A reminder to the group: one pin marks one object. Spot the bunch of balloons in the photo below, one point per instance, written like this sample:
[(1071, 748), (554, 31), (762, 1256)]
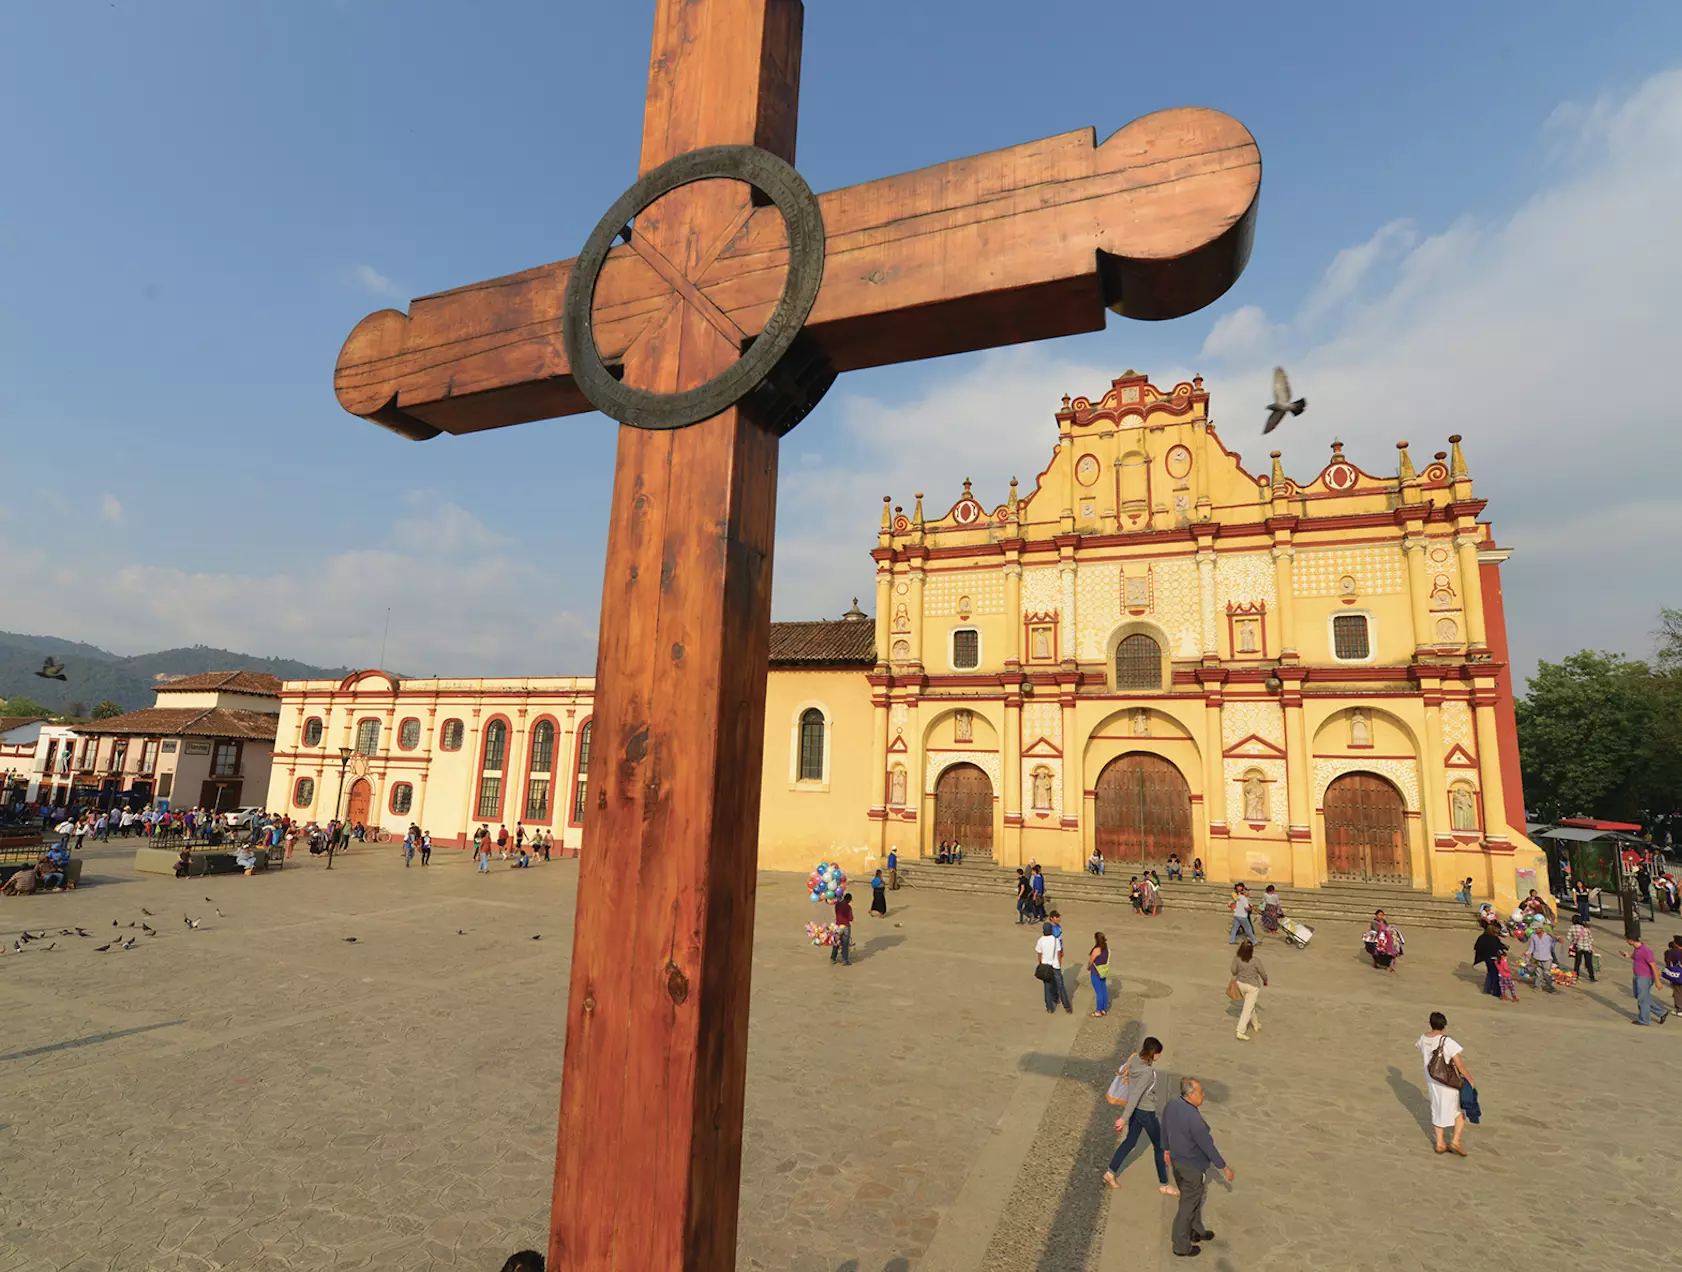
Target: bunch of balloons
[(827, 883), (824, 933)]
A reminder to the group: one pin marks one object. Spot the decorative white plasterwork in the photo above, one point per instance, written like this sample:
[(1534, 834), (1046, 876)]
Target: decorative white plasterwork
[(944, 589), (1245, 578), (1266, 720), (898, 717), (1378, 570), (1273, 771), (1028, 766), (1403, 773), (1042, 720), (1042, 589), (1098, 606), (1457, 728), (940, 761), (1176, 605)]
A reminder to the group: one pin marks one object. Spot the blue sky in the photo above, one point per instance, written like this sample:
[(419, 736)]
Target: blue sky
[(1464, 227)]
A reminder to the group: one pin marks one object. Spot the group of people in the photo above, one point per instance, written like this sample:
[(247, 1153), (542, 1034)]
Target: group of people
[(950, 853), (50, 872), (520, 849), (1048, 968)]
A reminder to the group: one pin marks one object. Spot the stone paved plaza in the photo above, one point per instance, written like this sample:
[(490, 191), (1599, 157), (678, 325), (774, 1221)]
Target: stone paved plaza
[(260, 1094)]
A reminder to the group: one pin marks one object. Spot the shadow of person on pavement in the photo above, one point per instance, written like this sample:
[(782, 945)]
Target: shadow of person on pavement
[(1411, 1098), (875, 945)]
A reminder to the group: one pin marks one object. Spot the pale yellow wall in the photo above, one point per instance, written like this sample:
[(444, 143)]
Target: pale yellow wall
[(802, 823), (201, 699)]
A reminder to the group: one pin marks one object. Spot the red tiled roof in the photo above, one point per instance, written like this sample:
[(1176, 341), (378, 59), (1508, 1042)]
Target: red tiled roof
[(258, 682), (11, 722), (194, 722), (826, 643)]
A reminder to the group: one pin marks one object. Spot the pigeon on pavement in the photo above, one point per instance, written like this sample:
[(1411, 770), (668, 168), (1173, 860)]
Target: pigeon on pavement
[(100, 949), (130, 943), (350, 940), (146, 912), (1282, 404)]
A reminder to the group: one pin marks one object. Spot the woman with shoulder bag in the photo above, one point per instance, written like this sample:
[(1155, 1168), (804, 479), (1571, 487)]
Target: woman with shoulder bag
[(1139, 1078), (1445, 1074)]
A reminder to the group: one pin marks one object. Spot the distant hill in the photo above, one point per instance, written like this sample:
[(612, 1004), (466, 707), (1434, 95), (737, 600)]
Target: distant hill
[(96, 675)]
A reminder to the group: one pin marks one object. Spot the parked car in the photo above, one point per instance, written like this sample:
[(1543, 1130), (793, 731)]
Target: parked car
[(239, 818)]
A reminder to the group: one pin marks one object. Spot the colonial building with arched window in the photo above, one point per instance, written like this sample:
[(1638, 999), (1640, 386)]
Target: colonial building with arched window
[(1154, 651)]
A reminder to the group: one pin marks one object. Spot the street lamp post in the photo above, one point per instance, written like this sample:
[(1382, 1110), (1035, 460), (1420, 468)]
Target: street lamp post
[(344, 762)]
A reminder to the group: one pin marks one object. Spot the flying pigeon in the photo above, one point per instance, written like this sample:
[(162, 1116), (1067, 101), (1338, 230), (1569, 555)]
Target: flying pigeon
[(192, 923), (219, 913), (51, 670), (1282, 404), (146, 912), (100, 949)]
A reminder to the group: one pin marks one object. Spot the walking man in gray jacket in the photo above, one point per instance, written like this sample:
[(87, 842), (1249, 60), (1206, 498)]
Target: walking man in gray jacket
[(1190, 1150)]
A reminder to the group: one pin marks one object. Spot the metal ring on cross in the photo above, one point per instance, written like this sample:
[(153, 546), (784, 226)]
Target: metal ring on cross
[(780, 375)]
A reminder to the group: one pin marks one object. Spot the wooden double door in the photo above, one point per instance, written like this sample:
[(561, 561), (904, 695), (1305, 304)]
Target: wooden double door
[(1142, 812), (1366, 831), (963, 810)]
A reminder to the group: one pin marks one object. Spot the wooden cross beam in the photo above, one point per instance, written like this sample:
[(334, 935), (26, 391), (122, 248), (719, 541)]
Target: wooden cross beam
[(1020, 244)]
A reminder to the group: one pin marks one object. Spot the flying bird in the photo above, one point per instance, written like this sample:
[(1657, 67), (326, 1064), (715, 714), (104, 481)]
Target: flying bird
[(192, 923), (51, 670), (147, 912), (219, 913), (1282, 404)]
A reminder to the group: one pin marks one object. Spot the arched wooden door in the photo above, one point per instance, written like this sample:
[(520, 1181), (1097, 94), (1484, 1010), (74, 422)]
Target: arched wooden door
[(357, 805), (963, 809), (1143, 812), (1366, 831)]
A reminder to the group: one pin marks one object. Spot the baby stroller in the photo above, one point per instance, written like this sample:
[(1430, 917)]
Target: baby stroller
[(1298, 934)]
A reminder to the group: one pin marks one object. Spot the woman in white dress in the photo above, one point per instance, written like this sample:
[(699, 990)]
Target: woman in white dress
[(1445, 1099)]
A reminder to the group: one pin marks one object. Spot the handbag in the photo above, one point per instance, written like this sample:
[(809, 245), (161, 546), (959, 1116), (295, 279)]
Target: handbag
[(1117, 1094), (1042, 971), (1442, 1071), (1232, 990), (1672, 973)]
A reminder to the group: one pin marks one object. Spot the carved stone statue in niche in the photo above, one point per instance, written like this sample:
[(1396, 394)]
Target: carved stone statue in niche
[(1464, 805), (1042, 642), (1255, 799), (1360, 732), (896, 787), (1141, 722), (1042, 789), (963, 725), (1247, 637)]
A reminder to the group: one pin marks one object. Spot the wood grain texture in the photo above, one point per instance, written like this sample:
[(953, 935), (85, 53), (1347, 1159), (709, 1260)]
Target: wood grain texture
[(1019, 244), (648, 1161)]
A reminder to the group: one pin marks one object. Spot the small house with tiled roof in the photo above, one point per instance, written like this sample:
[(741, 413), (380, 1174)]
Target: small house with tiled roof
[(206, 742)]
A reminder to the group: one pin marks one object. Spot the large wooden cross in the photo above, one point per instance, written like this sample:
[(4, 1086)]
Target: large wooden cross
[(1016, 245)]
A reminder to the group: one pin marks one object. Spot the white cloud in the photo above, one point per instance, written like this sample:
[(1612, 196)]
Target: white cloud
[(440, 526), (111, 508), (375, 283), (1545, 336)]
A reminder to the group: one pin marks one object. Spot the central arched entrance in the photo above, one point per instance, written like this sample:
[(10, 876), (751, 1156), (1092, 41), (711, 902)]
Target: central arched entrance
[(357, 805), (1143, 812), (1366, 831), (963, 809)]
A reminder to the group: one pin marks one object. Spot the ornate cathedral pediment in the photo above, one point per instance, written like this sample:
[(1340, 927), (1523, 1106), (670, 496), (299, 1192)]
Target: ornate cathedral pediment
[(1457, 758), (1254, 747)]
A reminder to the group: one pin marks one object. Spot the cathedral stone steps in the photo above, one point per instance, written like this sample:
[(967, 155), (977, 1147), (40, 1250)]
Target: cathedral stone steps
[(1346, 903)]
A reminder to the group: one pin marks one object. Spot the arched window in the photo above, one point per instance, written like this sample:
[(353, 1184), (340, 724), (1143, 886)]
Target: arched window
[(303, 794), (812, 729), (1138, 663), (451, 735), (368, 736), (402, 797), (490, 771), (313, 731), (538, 771), (583, 771), (408, 734)]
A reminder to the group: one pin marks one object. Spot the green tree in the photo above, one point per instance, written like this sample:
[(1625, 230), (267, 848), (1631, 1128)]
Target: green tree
[(1668, 651), (107, 710), (1598, 737), (22, 706)]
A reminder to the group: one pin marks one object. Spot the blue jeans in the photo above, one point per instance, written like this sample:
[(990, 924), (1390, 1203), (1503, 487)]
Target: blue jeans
[(1646, 1008), (1146, 1122), (845, 947), (56, 880), (484, 863), (1023, 907), (1100, 993), (1057, 991), (1241, 925)]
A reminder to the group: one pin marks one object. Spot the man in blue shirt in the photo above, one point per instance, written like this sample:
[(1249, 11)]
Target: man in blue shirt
[(1036, 884), (1190, 1150), (893, 869)]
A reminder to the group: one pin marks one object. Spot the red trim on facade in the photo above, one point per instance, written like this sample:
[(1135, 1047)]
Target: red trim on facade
[(526, 773), (1506, 718), (479, 771), (399, 738), (572, 785)]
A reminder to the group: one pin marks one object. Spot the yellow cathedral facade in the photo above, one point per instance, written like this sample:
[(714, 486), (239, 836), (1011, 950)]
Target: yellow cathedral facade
[(1152, 652)]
